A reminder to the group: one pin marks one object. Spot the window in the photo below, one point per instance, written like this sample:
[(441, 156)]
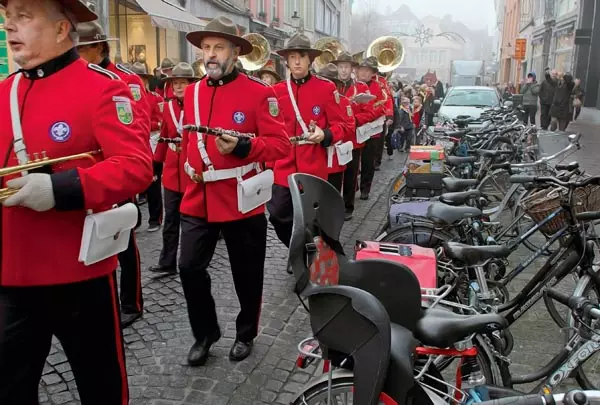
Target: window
[(320, 15), (327, 28), (565, 6), (274, 11), (563, 55), (472, 98), (335, 26), (261, 6)]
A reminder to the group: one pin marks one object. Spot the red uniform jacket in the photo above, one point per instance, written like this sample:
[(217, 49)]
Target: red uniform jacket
[(417, 115), (389, 103), (318, 100), (174, 177), (347, 113), (380, 103), (138, 92), (154, 100), (241, 103), (363, 113), (101, 117)]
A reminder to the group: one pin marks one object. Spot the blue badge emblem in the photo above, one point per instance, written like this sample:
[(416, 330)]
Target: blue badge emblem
[(60, 131), (316, 110), (239, 117)]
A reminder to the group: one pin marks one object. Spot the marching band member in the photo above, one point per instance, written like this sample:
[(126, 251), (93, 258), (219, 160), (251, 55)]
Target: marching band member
[(173, 156), (388, 106), (364, 113), (306, 101), (93, 47), (367, 70), (344, 149), (44, 289), (225, 173), (154, 192), (268, 75), (166, 68)]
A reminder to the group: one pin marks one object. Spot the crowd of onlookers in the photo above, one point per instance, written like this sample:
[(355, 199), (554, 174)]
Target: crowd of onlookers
[(559, 97)]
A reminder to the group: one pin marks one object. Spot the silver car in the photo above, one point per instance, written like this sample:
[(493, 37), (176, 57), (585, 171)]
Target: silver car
[(470, 101)]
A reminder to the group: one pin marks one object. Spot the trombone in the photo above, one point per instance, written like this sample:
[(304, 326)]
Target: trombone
[(261, 52), (39, 162), (331, 48)]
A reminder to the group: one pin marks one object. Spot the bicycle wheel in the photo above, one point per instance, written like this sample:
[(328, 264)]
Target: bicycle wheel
[(588, 373), (422, 234), (494, 187)]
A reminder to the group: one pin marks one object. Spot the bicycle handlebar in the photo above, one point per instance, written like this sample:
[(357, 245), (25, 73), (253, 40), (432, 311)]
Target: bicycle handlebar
[(579, 304), (548, 179)]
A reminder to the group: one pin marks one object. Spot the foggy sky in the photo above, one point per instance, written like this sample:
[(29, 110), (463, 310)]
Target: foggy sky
[(476, 14)]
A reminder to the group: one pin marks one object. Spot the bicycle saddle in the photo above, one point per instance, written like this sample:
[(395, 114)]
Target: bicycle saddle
[(489, 153), (442, 328), (447, 214), (473, 255), (457, 134), (460, 197), (459, 160), (452, 184)]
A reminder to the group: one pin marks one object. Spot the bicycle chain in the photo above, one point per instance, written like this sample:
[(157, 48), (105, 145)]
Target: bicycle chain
[(495, 352)]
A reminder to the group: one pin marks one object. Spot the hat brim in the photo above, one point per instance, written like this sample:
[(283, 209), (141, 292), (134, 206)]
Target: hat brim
[(171, 78), (145, 75), (195, 38), (82, 43), (352, 62), (312, 53), (79, 10), (261, 72)]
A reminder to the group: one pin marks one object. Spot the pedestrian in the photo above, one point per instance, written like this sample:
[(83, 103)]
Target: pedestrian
[(364, 113), (546, 94), (578, 96), (154, 192), (219, 197), (367, 71), (419, 118), (530, 91), (93, 47), (318, 124), (45, 290), (173, 157), (561, 112), (405, 125)]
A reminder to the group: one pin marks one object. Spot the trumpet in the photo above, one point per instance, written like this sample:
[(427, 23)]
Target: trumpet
[(39, 162), (218, 131)]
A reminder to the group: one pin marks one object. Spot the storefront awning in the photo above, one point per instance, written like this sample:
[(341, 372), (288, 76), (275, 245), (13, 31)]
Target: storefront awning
[(166, 14)]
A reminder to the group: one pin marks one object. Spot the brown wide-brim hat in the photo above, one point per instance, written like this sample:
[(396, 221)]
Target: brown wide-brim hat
[(299, 43), (91, 32), (79, 9), (330, 72), (182, 70), (140, 69), (345, 57), (220, 27), (267, 71), (370, 62)]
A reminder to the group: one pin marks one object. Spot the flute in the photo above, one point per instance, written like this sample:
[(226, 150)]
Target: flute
[(218, 131)]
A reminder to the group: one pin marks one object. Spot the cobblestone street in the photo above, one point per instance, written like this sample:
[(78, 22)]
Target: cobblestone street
[(157, 345)]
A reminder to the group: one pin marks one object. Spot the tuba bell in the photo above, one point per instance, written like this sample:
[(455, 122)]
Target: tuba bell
[(389, 52), (261, 52), (331, 47), (199, 68)]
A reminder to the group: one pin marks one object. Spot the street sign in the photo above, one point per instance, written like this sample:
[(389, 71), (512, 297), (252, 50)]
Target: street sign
[(3, 51), (583, 36), (520, 48)]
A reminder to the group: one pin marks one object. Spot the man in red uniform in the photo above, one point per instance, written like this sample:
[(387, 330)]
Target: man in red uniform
[(225, 174), (268, 75), (335, 169), (389, 113), (174, 178), (93, 47), (154, 192), (166, 68), (44, 289), (367, 70), (311, 107), (364, 113)]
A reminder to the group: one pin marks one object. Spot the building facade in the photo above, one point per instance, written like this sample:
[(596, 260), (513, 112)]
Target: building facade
[(587, 52), (509, 66)]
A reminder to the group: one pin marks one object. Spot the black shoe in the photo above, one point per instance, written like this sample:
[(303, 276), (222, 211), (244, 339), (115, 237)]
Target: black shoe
[(129, 319), (289, 269), (240, 350), (162, 269), (364, 196), (153, 227), (199, 351), (348, 216)]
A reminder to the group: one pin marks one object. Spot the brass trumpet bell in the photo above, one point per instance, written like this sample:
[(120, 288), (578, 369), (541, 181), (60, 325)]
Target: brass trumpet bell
[(261, 52), (331, 48), (389, 52), (199, 68)]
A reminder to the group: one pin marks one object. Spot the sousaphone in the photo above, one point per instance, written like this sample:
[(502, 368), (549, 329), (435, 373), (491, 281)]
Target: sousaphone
[(261, 52), (331, 47), (389, 52)]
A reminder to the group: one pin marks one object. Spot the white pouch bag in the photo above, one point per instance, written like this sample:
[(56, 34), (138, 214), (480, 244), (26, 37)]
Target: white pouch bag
[(344, 152), (106, 234), (362, 134), (154, 140), (255, 191)]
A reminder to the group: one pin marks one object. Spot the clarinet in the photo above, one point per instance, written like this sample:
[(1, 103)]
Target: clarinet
[(169, 140), (218, 131), (304, 137)]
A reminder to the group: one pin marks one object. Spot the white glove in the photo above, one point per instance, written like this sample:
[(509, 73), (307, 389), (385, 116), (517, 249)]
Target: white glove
[(35, 192)]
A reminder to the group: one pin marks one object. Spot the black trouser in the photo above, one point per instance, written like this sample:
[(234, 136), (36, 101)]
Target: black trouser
[(350, 179), (84, 317), (577, 111), (154, 197), (168, 254), (132, 301), (246, 241), (367, 168), (281, 213), (336, 180), (379, 145), (530, 113), (545, 116)]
